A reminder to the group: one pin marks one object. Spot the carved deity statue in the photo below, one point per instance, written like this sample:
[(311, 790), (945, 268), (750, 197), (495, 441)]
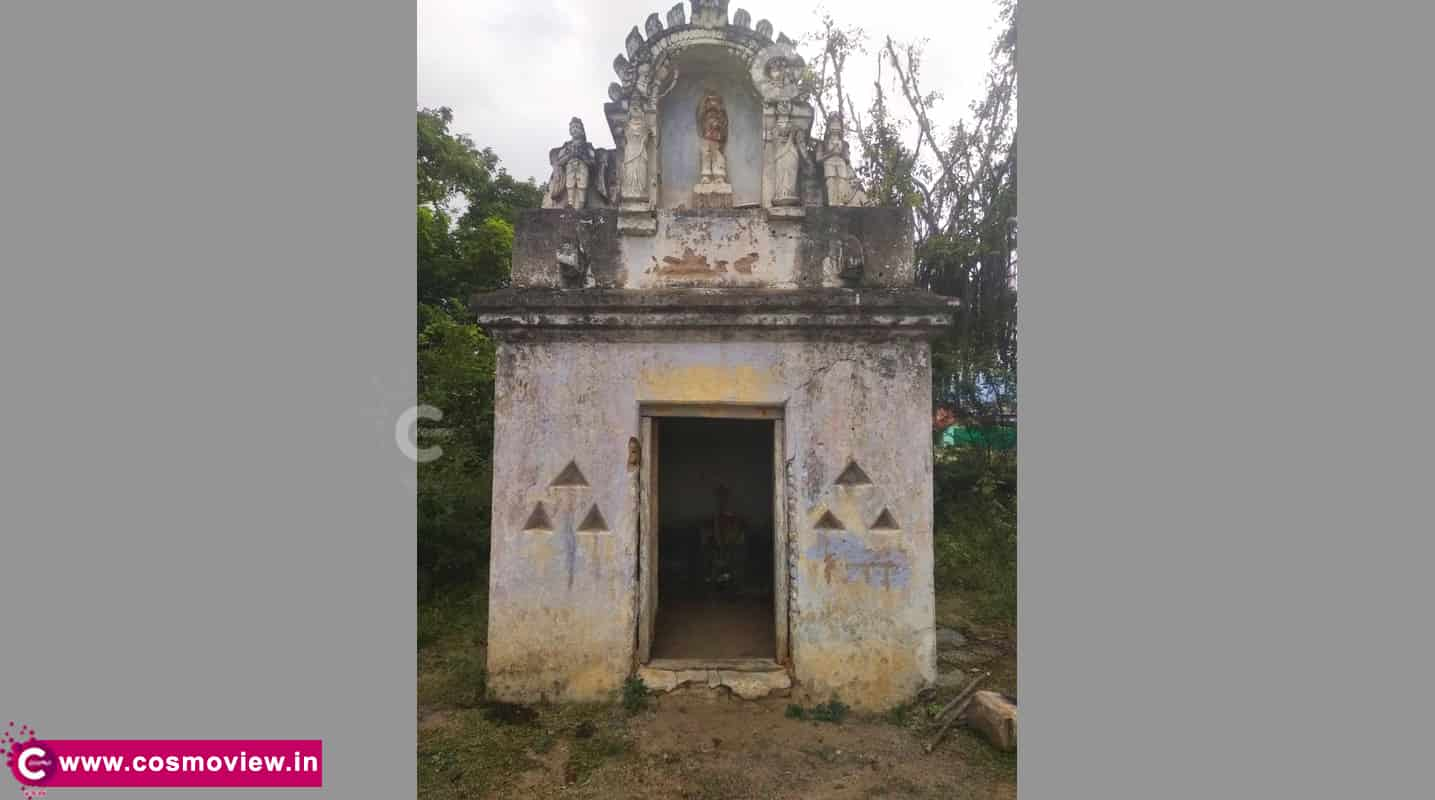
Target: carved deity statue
[(636, 150), (573, 166), (712, 128), (783, 75), (786, 137), (833, 154)]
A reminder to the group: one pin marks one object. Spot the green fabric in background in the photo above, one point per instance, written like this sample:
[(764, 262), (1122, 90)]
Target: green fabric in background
[(995, 438)]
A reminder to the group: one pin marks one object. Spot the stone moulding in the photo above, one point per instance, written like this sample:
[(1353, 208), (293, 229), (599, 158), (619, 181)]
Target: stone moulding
[(890, 312)]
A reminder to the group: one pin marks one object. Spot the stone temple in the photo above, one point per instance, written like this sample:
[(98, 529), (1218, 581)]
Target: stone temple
[(712, 458)]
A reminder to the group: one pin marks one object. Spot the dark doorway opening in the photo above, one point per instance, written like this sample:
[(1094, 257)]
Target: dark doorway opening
[(715, 549)]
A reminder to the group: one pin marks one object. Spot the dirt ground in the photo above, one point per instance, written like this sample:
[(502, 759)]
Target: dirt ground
[(703, 744), (708, 747)]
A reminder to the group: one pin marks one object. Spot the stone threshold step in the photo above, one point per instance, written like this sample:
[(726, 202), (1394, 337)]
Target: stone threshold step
[(728, 664), (761, 678)]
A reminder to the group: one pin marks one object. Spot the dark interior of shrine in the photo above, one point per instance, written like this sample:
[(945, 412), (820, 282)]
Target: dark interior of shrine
[(715, 548)]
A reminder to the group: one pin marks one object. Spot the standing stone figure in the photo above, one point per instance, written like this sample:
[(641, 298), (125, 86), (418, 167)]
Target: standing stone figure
[(637, 136), (573, 164), (712, 127), (786, 158), (832, 153)]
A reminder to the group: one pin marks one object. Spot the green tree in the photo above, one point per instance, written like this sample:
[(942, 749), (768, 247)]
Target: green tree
[(467, 205), (960, 182)]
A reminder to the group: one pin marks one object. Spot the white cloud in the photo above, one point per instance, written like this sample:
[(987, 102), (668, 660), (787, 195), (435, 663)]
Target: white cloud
[(515, 71)]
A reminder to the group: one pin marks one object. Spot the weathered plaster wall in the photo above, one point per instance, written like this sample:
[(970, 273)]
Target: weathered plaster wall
[(563, 603), (715, 248)]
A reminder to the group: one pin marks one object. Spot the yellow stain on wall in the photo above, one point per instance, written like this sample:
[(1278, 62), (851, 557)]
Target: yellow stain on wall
[(710, 384)]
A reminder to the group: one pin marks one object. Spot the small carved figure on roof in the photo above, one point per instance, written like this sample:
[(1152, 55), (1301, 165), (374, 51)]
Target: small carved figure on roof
[(833, 154), (573, 166), (637, 148), (786, 137)]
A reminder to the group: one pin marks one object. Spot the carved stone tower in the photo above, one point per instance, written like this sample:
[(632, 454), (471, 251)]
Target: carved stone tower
[(712, 445)]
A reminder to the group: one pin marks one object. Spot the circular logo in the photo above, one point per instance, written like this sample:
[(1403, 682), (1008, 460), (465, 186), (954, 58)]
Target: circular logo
[(33, 763)]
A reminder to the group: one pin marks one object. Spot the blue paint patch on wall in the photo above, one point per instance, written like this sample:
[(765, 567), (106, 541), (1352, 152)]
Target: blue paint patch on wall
[(570, 548), (885, 567)]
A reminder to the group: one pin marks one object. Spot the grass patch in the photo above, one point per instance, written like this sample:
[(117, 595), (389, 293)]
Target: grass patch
[(899, 715), (471, 756), (825, 753), (974, 540), (478, 752), (709, 783), (592, 752), (833, 710), (452, 651), (635, 694), (454, 616), (980, 758)]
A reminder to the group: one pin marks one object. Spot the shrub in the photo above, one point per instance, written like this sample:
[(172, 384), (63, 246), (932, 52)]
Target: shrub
[(833, 710), (635, 694), (975, 540)]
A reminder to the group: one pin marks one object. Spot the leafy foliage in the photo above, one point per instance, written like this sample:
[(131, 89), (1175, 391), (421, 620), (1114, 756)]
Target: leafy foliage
[(960, 183), (467, 205), (833, 710), (635, 694), (975, 537)]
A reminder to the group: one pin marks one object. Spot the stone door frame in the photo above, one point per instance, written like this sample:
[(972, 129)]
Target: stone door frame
[(649, 415)]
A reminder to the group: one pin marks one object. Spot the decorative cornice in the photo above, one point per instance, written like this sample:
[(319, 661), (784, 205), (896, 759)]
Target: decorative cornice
[(887, 312)]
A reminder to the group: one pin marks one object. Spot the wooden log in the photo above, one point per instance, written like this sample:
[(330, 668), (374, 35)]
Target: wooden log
[(967, 688), (958, 704), (994, 717)]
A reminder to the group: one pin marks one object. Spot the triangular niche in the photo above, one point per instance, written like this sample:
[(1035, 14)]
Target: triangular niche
[(538, 520), (828, 522), (853, 476), (570, 476), (884, 522), (594, 522)]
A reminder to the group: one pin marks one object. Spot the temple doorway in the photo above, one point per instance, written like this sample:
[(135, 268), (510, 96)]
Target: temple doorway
[(715, 539)]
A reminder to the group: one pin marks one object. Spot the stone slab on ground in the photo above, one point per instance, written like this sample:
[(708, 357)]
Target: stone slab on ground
[(951, 679), (749, 685), (754, 685), (666, 680), (950, 637)]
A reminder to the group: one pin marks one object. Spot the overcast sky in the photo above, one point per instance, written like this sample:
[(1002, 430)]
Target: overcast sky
[(515, 71)]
